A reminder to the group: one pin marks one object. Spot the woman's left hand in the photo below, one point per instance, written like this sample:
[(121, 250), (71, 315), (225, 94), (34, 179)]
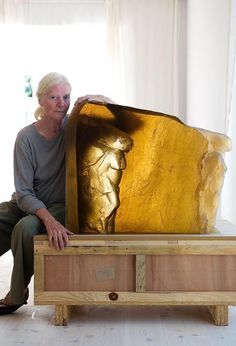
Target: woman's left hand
[(98, 98)]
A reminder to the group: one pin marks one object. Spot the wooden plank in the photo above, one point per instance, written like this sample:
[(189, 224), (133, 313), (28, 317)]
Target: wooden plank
[(62, 314), (140, 248), (89, 272), (140, 273), (75, 241), (152, 250), (38, 273), (134, 298), (191, 273), (219, 314), (219, 235)]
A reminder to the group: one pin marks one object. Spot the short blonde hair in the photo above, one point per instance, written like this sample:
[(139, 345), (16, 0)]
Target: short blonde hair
[(45, 84)]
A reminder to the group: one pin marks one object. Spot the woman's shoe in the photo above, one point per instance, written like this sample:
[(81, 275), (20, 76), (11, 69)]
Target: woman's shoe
[(6, 309)]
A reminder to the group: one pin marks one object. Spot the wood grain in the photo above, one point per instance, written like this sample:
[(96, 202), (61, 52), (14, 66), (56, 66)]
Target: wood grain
[(191, 273), (89, 273)]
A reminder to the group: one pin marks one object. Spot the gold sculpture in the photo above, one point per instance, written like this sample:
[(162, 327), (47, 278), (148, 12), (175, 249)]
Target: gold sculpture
[(172, 178), (100, 167)]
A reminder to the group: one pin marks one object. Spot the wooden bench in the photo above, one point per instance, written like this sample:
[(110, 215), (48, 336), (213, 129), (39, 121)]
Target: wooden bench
[(145, 269)]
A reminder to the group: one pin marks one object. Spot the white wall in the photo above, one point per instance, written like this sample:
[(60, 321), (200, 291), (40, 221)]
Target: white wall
[(207, 62)]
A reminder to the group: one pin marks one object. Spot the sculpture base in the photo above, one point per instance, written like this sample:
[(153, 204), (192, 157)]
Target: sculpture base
[(139, 270)]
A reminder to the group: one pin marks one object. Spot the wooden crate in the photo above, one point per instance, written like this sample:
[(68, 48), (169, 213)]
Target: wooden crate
[(152, 269)]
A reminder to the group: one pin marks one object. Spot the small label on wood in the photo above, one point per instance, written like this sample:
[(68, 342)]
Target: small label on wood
[(106, 273)]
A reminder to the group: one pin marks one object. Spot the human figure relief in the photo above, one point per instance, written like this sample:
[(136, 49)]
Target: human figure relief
[(99, 178)]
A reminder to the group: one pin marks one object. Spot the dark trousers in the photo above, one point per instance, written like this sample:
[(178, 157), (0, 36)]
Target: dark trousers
[(17, 231)]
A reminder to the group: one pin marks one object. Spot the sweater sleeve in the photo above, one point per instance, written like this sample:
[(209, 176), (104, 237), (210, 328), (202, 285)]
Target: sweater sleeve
[(24, 176)]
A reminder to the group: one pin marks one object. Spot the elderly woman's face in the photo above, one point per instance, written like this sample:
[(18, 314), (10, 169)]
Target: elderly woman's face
[(56, 101)]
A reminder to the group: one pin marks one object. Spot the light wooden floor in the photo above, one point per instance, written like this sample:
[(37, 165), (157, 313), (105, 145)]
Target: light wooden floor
[(111, 326)]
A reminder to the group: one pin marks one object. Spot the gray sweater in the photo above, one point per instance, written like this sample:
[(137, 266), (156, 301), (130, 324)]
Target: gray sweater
[(39, 170)]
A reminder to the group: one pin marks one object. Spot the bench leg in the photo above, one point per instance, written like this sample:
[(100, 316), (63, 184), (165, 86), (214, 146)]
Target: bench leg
[(61, 315), (219, 314)]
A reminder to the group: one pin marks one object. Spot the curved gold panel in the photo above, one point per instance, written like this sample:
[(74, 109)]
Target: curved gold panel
[(138, 171)]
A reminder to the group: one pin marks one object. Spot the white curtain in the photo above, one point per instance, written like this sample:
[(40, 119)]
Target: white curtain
[(13, 11), (229, 191), (147, 52), (50, 12), (207, 63), (172, 56)]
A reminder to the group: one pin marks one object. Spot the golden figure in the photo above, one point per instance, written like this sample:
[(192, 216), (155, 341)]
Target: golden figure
[(100, 173)]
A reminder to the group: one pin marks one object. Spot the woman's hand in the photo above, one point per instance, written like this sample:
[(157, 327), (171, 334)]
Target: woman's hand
[(99, 98), (57, 233)]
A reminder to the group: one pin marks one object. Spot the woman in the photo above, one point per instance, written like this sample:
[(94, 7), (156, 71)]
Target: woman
[(38, 204)]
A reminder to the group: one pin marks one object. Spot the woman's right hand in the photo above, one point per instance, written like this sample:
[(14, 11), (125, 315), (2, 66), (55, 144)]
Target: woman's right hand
[(58, 235)]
